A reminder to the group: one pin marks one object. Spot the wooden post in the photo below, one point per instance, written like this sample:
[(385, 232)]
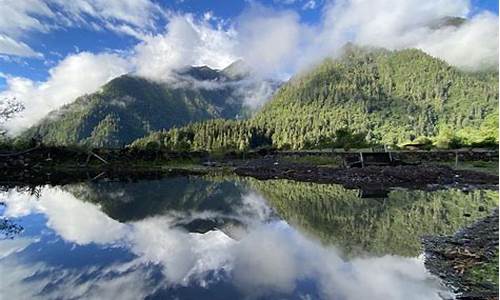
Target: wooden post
[(362, 161), (456, 159)]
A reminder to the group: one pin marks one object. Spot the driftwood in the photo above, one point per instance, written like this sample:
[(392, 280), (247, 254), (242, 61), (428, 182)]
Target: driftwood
[(98, 157)]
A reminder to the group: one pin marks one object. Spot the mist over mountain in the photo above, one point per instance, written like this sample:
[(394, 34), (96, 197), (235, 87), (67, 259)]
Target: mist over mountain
[(378, 95), (129, 107)]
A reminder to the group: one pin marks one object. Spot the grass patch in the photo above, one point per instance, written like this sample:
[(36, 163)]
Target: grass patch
[(486, 272)]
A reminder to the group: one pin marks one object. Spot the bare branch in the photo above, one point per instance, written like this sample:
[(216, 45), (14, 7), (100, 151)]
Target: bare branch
[(9, 108)]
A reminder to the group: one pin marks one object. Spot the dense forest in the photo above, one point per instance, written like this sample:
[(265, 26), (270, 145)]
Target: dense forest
[(124, 201), (129, 107), (391, 225), (364, 97), (333, 214)]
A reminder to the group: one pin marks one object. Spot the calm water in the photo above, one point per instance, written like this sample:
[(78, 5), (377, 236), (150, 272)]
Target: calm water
[(224, 238)]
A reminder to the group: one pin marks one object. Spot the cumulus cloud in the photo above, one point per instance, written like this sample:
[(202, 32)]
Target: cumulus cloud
[(184, 42), (473, 46), (272, 259), (74, 76), (273, 43), (396, 24), (269, 40), (74, 220)]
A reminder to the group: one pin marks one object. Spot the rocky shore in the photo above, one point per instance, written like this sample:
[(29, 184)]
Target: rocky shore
[(59, 164), (425, 176), (467, 261)]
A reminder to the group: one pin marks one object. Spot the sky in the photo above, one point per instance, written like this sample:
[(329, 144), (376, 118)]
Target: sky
[(52, 51)]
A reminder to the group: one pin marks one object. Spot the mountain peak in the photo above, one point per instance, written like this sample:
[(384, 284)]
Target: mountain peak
[(448, 21), (238, 69), (202, 73)]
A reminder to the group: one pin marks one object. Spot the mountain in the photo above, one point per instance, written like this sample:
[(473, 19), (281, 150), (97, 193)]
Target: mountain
[(365, 96), (355, 225), (391, 96), (129, 107), (124, 201), (447, 22)]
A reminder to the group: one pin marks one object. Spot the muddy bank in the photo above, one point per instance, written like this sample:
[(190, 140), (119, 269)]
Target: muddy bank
[(13, 178), (426, 176), (62, 165), (65, 164), (467, 261), (52, 157), (416, 155)]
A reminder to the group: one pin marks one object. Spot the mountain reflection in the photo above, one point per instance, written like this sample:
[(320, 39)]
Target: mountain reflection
[(221, 238)]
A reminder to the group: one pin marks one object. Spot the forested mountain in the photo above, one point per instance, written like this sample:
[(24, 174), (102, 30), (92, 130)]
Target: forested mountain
[(393, 225), (123, 201), (129, 107), (382, 96)]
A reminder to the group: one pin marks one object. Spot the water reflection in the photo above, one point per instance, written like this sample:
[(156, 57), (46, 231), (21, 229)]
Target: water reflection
[(393, 224), (192, 238)]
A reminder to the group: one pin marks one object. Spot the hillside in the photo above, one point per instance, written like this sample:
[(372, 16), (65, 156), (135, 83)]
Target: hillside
[(129, 107), (382, 96), (393, 225)]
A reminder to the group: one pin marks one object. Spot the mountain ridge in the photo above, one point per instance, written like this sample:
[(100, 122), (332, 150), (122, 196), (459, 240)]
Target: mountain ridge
[(129, 107), (387, 97)]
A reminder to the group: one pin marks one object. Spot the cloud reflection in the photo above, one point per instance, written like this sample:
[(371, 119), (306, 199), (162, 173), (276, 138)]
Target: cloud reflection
[(270, 258)]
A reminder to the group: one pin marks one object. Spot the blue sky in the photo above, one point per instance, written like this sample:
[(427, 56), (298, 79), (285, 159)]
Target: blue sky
[(61, 42), (52, 51), (58, 43)]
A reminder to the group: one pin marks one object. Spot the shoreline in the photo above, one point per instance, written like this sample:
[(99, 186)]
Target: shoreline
[(67, 164), (424, 177), (31, 171), (468, 261)]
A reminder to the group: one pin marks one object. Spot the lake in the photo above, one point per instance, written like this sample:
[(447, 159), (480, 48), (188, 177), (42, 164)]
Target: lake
[(225, 238)]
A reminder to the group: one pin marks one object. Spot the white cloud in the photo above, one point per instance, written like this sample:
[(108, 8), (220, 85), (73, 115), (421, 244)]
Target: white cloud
[(10, 46), (16, 19), (311, 4), (254, 208), (19, 18), (473, 46), (185, 42), (74, 220), (255, 92), (116, 281), (12, 246), (74, 76), (397, 24), (276, 42), (137, 15), (271, 258), (265, 263), (268, 40), (272, 42)]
